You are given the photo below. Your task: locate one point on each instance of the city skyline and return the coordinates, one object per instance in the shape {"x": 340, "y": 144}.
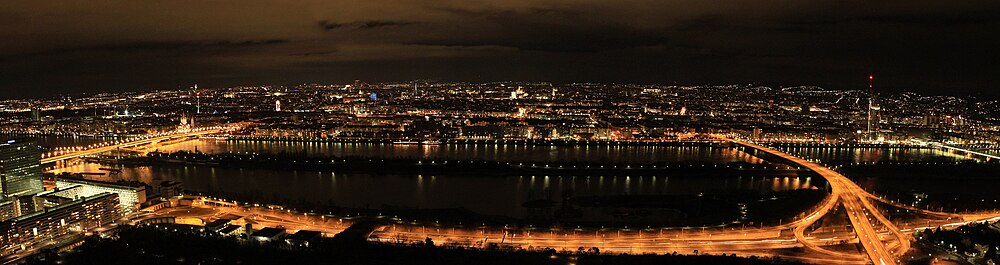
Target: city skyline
{"x": 927, "y": 47}
{"x": 562, "y": 132}
{"x": 748, "y": 171}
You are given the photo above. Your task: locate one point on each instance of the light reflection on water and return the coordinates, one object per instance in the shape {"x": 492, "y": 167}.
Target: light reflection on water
{"x": 491, "y": 152}
{"x": 491, "y": 195}
{"x": 843, "y": 155}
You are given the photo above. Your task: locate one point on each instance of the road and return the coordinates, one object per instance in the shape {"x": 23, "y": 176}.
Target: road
{"x": 860, "y": 211}
{"x": 261, "y": 217}
{"x": 883, "y": 241}
{"x": 766, "y": 241}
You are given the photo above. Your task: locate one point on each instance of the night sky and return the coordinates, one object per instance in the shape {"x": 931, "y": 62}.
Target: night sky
{"x": 49, "y": 48}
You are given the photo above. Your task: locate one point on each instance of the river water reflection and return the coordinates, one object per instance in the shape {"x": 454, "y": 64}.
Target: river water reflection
{"x": 491, "y": 152}
{"x": 845, "y": 155}
{"x": 489, "y": 195}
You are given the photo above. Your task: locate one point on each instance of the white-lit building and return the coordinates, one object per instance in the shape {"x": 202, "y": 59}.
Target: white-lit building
{"x": 131, "y": 196}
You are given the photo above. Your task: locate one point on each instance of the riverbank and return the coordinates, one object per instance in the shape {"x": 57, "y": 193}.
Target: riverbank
{"x": 733, "y": 208}
{"x": 181, "y": 245}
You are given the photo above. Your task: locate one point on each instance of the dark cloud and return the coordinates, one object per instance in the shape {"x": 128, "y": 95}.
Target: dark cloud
{"x": 382, "y": 23}
{"x": 329, "y": 25}
{"x": 547, "y": 30}
{"x": 924, "y": 18}
{"x": 155, "y": 46}
{"x": 314, "y": 53}
{"x": 937, "y": 20}
{"x": 557, "y": 40}
{"x": 921, "y": 45}
{"x": 371, "y": 24}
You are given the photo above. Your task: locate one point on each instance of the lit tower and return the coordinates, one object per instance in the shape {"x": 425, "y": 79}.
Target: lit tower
{"x": 197, "y": 95}
{"x": 872, "y": 108}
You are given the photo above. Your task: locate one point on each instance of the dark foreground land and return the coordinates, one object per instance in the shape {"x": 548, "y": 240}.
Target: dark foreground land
{"x": 149, "y": 245}
{"x": 975, "y": 243}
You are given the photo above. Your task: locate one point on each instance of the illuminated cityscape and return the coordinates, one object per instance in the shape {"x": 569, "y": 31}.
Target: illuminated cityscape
{"x": 808, "y": 134}
{"x": 523, "y": 132}
{"x": 539, "y": 111}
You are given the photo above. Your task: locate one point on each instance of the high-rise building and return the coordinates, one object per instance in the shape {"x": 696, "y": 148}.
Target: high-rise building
{"x": 27, "y": 204}
{"x": 20, "y": 168}
{"x": 36, "y": 114}
{"x": 8, "y": 209}
{"x": 198, "y": 96}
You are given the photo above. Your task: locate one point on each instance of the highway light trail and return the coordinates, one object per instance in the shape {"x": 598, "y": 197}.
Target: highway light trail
{"x": 859, "y": 210}
{"x": 966, "y": 151}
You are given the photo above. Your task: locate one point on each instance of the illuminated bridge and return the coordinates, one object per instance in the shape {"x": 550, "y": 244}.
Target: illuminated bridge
{"x": 154, "y": 139}
{"x": 860, "y": 210}
{"x": 984, "y": 156}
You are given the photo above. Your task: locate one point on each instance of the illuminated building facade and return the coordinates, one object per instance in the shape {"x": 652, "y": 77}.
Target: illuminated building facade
{"x": 131, "y": 196}
{"x": 52, "y": 223}
{"x": 8, "y": 209}
{"x": 20, "y": 168}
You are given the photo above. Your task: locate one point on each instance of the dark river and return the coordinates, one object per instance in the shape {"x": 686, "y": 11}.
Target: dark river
{"x": 488, "y": 195}
{"x": 490, "y": 152}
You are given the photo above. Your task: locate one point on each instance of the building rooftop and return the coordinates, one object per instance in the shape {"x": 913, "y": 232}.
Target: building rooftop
{"x": 120, "y": 185}
{"x": 60, "y": 207}
{"x": 59, "y": 192}
{"x": 305, "y": 235}
{"x": 229, "y": 229}
{"x": 218, "y": 223}
{"x": 269, "y": 232}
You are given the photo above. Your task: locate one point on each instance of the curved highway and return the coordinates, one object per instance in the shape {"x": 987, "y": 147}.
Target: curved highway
{"x": 863, "y": 215}
{"x": 859, "y": 210}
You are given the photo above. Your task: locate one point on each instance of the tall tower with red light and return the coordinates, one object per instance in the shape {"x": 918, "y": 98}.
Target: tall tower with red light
{"x": 873, "y": 108}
